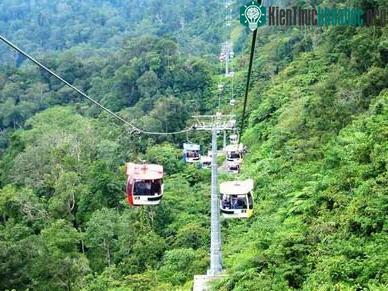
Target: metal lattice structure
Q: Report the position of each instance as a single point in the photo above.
(217, 121)
(214, 124)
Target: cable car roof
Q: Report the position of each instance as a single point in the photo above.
(144, 171)
(191, 147)
(236, 187)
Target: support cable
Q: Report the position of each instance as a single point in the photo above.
(254, 36)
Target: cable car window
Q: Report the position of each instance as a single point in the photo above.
(192, 154)
(226, 203)
(234, 155)
(234, 202)
(156, 187)
(241, 203)
(142, 188)
(147, 187)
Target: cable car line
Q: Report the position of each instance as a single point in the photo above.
(145, 184)
(126, 122)
(248, 81)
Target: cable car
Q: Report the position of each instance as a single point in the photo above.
(233, 138)
(191, 153)
(144, 184)
(234, 152)
(232, 123)
(220, 87)
(236, 199)
(232, 102)
(206, 162)
(233, 167)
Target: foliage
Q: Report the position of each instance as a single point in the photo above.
(316, 137)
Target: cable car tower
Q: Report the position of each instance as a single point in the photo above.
(215, 124)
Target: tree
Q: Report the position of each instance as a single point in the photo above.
(180, 265)
(167, 156)
(59, 264)
(101, 236)
(148, 84)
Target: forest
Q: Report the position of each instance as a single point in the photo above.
(316, 136)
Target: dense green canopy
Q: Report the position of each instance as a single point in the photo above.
(316, 136)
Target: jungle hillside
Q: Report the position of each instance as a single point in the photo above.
(316, 135)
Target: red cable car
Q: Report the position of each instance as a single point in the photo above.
(144, 184)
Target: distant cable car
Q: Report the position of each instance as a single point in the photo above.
(220, 87)
(206, 162)
(232, 123)
(236, 199)
(233, 167)
(234, 152)
(233, 138)
(144, 184)
(191, 153)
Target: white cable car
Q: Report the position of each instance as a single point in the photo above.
(233, 167)
(236, 199)
(234, 152)
(232, 123)
(144, 184)
(206, 162)
(220, 87)
(233, 138)
(191, 153)
(232, 102)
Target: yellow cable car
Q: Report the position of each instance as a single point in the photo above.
(236, 199)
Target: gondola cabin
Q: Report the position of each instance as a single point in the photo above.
(144, 184)
(233, 138)
(191, 153)
(233, 167)
(206, 162)
(232, 123)
(236, 199)
(234, 152)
